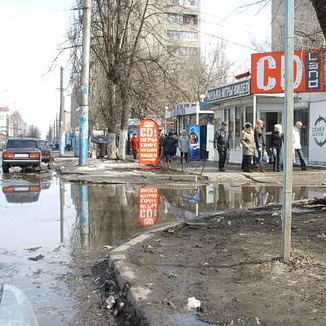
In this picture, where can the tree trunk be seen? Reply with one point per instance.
(125, 102)
(320, 8)
(112, 148)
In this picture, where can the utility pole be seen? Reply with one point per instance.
(288, 122)
(84, 105)
(62, 116)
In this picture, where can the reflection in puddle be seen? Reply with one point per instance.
(109, 214)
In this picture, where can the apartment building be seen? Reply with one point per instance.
(182, 27)
(308, 34)
(4, 116)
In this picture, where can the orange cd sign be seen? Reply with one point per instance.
(149, 144)
(149, 205)
(268, 71)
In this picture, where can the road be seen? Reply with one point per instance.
(40, 246)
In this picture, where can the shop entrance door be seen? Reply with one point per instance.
(270, 119)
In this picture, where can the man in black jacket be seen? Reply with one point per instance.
(221, 143)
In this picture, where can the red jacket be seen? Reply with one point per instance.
(134, 143)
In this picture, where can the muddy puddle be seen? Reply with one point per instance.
(45, 222)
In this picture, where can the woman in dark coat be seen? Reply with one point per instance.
(277, 139)
(260, 143)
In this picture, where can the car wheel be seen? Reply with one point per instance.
(5, 168)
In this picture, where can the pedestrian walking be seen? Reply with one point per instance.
(169, 144)
(221, 144)
(277, 139)
(248, 147)
(260, 144)
(184, 145)
(296, 140)
(134, 145)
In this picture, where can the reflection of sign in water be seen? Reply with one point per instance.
(194, 137)
(149, 205)
(268, 71)
(317, 132)
(149, 151)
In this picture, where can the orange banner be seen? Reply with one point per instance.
(149, 144)
(148, 206)
(268, 71)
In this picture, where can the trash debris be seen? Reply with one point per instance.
(171, 230)
(150, 285)
(258, 321)
(170, 275)
(171, 304)
(38, 257)
(110, 301)
(229, 223)
(108, 247)
(259, 220)
(33, 249)
(275, 214)
(193, 304)
(15, 169)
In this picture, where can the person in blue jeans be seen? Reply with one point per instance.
(260, 143)
(296, 141)
(277, 139)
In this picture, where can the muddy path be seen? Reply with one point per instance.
(231, 263)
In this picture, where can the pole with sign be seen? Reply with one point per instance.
(149, 144)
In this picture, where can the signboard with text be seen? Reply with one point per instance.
(268, 71)
(149, 144)
(149, 206)
(317, 132)
(239, 89)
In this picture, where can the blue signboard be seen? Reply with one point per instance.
(194, 137)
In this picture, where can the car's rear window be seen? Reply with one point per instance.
(21, 143)
(42, 143)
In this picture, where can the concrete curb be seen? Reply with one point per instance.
(125, 272)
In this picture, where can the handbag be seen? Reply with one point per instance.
(265, 158)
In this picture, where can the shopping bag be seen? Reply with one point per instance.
(265, 157)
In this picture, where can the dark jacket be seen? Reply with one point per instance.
(221, 139)
(259, 139)
(169, 144)
(276, 139)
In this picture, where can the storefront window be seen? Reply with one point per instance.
(239, 122)
(249, 115)
(229, 116)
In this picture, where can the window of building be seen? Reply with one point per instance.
(190, 19)
(189, 35)
(175, 35)
(175, 18)
(173, 2)
(192, 3)
(239, 122)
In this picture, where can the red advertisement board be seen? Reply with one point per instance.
(148, 205)
(268, 70)
(149, 144)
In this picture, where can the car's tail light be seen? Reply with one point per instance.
(34, 189)
(8, 154)
(35, 155)
(8, 189)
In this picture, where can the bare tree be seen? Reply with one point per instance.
(33, 132)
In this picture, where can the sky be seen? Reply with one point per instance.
(32, 31)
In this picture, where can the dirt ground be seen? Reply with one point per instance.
(231, 264)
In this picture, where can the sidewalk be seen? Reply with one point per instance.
(106, 171)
